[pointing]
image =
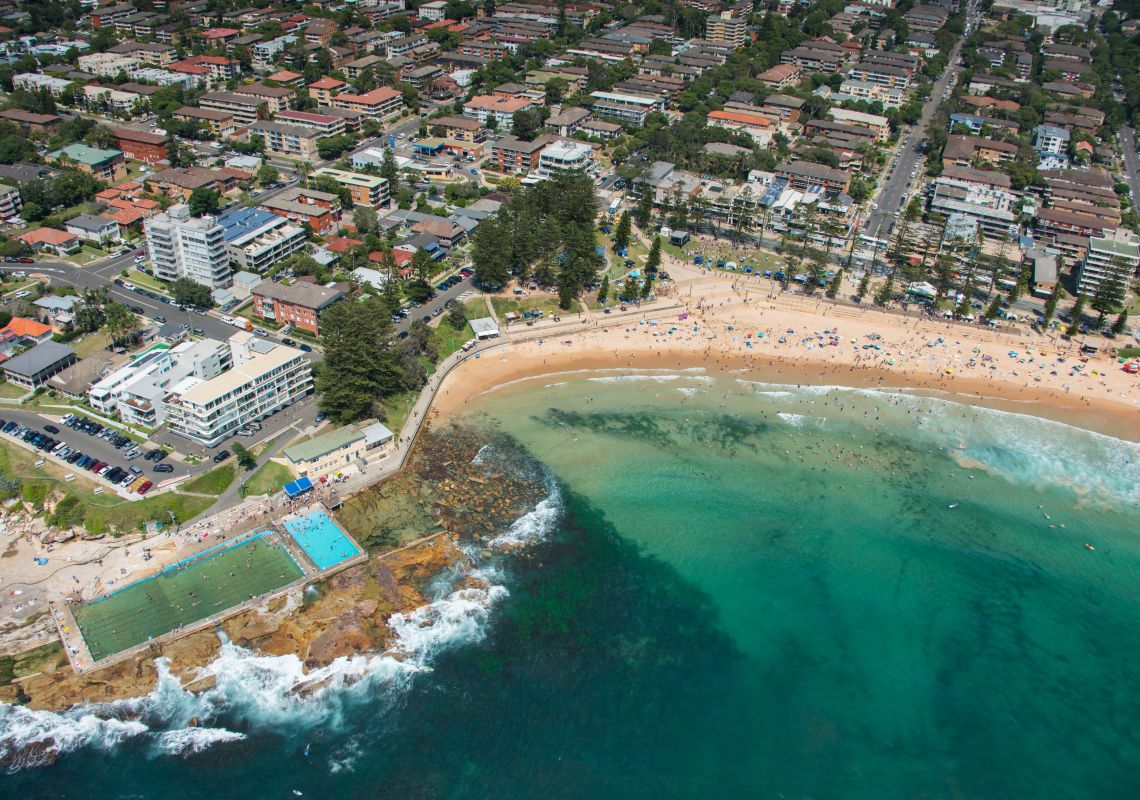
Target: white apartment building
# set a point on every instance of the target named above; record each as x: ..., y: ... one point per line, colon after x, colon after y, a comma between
x: 135, y: 391
x: 182, y: 246
x: 107, y: 65
x: 256, y: 239
x: 34, y: 82
x: 992, y: 208
x: 1116, y: 253
x: 10, y: 202
x: 265, y: 378
x: 564, y: 156
x: 433, y: 11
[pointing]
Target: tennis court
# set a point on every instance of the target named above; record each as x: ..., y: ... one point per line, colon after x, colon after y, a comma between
x: 322, y: 539
x: 184, y: 593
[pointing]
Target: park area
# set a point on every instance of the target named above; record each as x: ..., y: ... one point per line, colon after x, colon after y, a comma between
x: 184, y: 593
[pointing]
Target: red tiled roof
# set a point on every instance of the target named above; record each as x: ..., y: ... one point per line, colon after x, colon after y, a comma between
x: 22, y: 326
x: 47, y: 236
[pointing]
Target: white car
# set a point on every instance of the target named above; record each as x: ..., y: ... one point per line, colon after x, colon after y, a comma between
x: 228, y: 320
x: 130, y: 287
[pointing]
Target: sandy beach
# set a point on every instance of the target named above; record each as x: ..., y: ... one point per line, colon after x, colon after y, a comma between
x: 745, y: 325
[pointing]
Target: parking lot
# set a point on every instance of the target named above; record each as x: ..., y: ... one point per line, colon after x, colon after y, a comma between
x: 84, y: 444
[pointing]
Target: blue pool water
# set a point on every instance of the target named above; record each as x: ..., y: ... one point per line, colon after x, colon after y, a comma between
x: 322, y: 540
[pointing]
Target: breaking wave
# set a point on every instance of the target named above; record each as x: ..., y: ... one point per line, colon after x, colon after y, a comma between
x: 271, y: 694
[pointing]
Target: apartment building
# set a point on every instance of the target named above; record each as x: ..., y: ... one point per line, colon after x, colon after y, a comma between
x: 106, y: 165
x: 182, y: 246
x: 10, y: 202
x: 992, y: 207
x: 1050, y: 140
x: 759, y: 127
x: 135, y: 391
x: 265, y: 378
x: 299, y: 305
x: 243, y: 107
x: 513, y: 156
x: 384, y: 103
x: 323, y: 90
x: 626, y: 107
x: 566, y: 156
x: 141, y: 145
x: 275, y: 98
x: 319, y: 210
x: 257, y: 239
x: 724, y: 27
x: 322, y: 124
x: 35, y: 82
x: 781, y: 76
x: 1113, y: 254
x: 484, y: 108
x: 462, y: 129
x: 290, y: 141
x: 367, y: 190
x: 807, y: 176
x: 220, y: 123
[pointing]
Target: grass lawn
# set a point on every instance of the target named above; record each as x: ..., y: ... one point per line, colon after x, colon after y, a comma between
x: 10, y: 391
x: 213, y: 482
x: 87, y: 254
x: 129, y: 516
x: 447, y: 339
x: 142, y: 279
x: 91, y: 344
x: 397, y: 408
x: 101, y: 512
x: 545, y: 303
x: 268, y: 478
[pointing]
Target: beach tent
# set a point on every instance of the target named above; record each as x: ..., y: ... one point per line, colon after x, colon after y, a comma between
x: 298, y: 487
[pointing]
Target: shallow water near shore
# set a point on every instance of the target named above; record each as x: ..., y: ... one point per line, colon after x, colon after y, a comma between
x: 735, y: 588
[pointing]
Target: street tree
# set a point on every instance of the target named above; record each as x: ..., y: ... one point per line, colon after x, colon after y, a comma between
x: 604, y: 290
x: 653, y: 262
x: 622, y: 234
x: 1055, y: 297
x: 190, y: 292
x: 457, y: 316
x: 644, y: 213
x: 1075, y: 323
x: 359, y: 366
x: 244, y: 458
x: 1108, y: 296
x: 267, y: 174
x: 204, y: 201
x: 121, y: 323
x: 883, y: 296
x: 864, y: 286
x: 836, y: 284
x: 1121, y: 324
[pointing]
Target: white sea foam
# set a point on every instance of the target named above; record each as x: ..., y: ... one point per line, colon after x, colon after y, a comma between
x: 536, y: 524
x: 33, y: 738
x: 185, y: 741
x: 1021, y: 448
x: 274, y: 693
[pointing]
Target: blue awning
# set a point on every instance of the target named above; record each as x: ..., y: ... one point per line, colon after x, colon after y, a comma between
x: 298, y: 487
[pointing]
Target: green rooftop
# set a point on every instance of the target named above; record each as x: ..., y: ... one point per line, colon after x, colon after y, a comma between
x: 324, y: 444
x: 84, y: 154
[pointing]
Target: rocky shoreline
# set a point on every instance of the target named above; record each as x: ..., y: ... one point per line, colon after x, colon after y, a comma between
x: 413, y: 524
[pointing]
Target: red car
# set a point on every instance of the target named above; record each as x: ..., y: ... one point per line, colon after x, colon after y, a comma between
x: 144, y: 487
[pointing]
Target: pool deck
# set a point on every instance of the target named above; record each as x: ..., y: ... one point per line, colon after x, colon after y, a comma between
x: 80, y: 655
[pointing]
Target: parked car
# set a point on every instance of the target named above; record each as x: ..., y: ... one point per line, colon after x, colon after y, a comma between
x: 164, y: 468
x: 221, y: 456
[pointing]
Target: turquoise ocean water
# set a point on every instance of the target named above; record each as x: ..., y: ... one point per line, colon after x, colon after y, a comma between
x: 734, y: 589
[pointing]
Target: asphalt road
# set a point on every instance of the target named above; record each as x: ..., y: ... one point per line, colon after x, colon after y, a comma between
x: 95, y: 447
x: 429, y: 308
x: 898, y: 183
x: 101, y: 275
x: 1131, y: 160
